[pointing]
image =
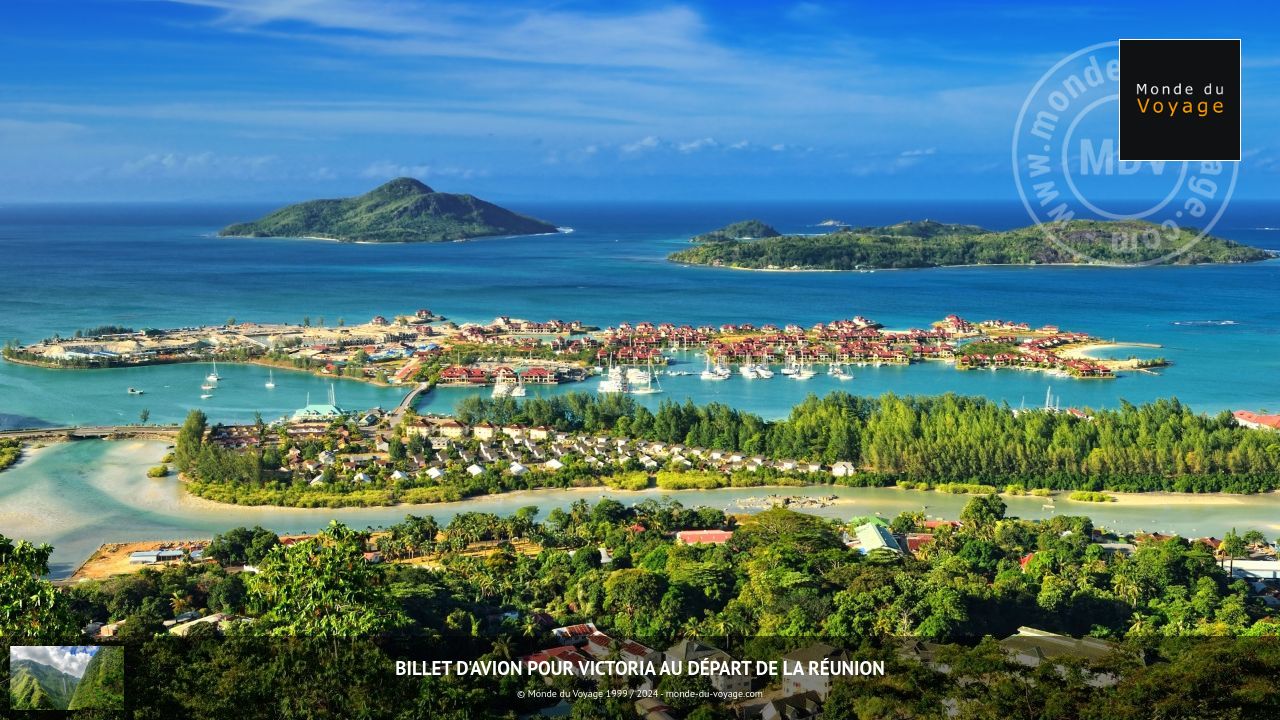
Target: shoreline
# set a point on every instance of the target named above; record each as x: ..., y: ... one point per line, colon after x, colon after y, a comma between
x: 1092, y: 351
x: 1275, y: 255
x: 1133, y: 499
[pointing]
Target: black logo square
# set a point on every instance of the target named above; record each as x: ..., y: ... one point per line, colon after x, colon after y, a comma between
x: 1179, y: 100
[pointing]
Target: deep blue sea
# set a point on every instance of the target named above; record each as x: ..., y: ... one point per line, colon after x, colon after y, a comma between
x: 70, y: 267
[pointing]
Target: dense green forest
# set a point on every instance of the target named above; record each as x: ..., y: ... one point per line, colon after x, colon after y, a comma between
x: 923, y: 442
x: 1187, y: 635
x: 1158, y: 446
x: 402, y: 210
x: 932, y: 244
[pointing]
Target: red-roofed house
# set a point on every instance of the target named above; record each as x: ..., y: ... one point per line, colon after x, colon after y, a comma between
x: 935, y: 524
x: 566, y: 654
x: 915, y: 541
x: 1257, y: 421
x: 570, y: 634
x: 703, y: 537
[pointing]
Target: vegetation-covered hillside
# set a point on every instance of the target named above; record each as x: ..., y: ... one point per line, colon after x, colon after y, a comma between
x: 934, y: 244
x: 35, y: 686
x: 403, y: 210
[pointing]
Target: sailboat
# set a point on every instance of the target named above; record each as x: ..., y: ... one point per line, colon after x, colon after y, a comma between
x: 213, y: 375
x: 271, y: 380
x: 802, y: 372
x: 649, y: 385
x: 719, y: 372
x: 518, y: 390
x: 837, y: 372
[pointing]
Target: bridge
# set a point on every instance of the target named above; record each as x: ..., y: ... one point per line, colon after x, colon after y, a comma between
x: 409, y: 399
x: 95, y: 432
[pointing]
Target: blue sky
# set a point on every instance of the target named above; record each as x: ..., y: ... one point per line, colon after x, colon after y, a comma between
x: 286, y: 99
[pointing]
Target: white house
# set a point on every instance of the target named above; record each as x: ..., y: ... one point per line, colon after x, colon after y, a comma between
x: 797, y: 683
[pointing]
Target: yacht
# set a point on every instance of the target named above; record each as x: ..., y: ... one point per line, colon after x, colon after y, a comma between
x: 636, y: 376
x: 763, y: 372
x: 271, y: 380
x: 208, y: 386
x: 206, y: 396
x: 802, y: 373
x: 648, y: 386
x: 518, y: 390
x: 719, y: 372
x: 501, y: 388
x: 135, y: 391
x: 837, y: 372
x: 213, y: 375
x: 615, y: 382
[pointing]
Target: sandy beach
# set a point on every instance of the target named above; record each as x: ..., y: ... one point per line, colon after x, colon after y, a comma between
x: 1098, y: 352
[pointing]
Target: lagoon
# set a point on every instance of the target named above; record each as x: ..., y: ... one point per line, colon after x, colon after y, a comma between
x: 79, y: 495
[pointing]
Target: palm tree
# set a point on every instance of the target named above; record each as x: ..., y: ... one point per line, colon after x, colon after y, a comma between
x: 179, y: 603
x: 502, y: 647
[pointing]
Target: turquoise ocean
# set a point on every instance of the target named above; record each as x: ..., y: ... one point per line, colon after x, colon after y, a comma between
x: 71, y: 267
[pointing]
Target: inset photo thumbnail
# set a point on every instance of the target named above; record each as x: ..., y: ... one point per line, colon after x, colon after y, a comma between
x: 66, y: 677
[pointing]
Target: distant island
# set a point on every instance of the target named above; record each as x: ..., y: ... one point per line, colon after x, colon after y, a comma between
x: 402, y: 210
x: 745, y: 230
x: 923, y: 244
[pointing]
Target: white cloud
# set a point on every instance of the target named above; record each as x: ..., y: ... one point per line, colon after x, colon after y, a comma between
x: 205, y: 164
x: 740, y: 145
x: 71, y: 660
x: 918, y: 152
x: 385, y: 170
x: 696, y: 145
x: 779, y: 147
x: 672, y: 37
x: 25, y: 131
x: 323, y: 173
x: 644, y: 144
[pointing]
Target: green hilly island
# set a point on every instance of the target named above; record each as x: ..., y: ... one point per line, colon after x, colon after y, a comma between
x: 744, y: 230
x: 402, y: 210
x: 923, y: 244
